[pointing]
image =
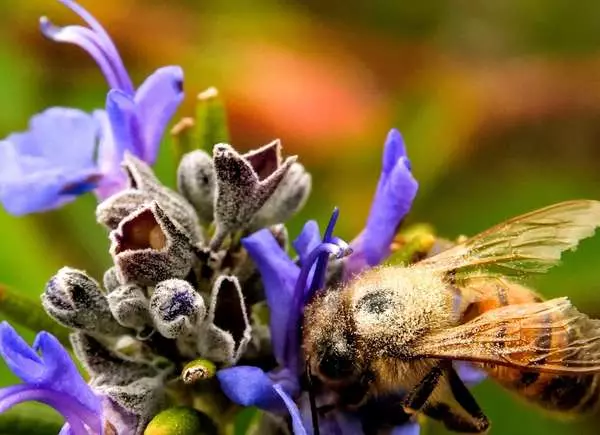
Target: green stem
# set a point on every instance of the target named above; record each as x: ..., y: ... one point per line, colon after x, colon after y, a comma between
x: 28, y: 312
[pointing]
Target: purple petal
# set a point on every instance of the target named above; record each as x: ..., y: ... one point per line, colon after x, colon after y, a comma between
x: 157, y: 100
x: 96, y: 42
x: 279, y: 275
x: 309, y: 239
x: 28, y: 185
x: 85, y: 39
x: 114, y: 178
x: 406, y: 429
x: 74, y: 413
x: 318, y: 280
x: 249, y: 386
x: 52, y: 376
x: 393, y: 150
x: 297, y: 424
x: 63, y: 137
x: 125, y: 124
x: 393, y: 199
x: 62, y: 372
x: 21, y: 359
x: 469, y: 374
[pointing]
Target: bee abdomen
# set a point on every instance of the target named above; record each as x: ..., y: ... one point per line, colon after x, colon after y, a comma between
x: 561, y: 393
x: 574, y: 394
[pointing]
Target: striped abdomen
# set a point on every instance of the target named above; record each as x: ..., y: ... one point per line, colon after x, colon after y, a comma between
x: 568, y: 394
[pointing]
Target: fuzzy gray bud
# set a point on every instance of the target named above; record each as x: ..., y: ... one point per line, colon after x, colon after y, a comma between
x: 244, y: 183
x: 176, y: 308
x: 226, y: 331
x: 75, y: 300
x: 149, y: 247
x: 196, y: 182
x: 110, y: 280
x: 107, y: 366
x: 289, y: 197
x: 144, y: 188
x: 129, y: 305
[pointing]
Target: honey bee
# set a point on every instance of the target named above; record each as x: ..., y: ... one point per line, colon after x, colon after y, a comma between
x: 398, y: 328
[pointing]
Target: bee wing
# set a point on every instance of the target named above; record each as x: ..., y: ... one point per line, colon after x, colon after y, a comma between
x: 551, y: 336
x: 530, y: 243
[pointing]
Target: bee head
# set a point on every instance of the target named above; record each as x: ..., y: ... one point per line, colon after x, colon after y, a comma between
x: 338, y: 359
x: 330, y: 342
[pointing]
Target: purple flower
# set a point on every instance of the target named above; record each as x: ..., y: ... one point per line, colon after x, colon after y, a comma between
x: 287, y: 288
x: 393, y: 199
x: 49, y: 377
x: 66, y: 152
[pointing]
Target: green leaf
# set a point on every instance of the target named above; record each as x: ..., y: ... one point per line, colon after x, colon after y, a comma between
x: 25, y: 311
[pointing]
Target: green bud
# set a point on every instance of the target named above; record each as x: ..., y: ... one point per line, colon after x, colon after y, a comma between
x: 211, y: 120
x: 198, y: 370
x: 181, y: 421
x: 183, y: 134
x: 412, y: 245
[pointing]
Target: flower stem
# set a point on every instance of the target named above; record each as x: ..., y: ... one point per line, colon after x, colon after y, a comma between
x: 28, y: 312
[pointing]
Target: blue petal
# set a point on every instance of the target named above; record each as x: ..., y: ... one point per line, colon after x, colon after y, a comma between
x: 297, y: 424
x: 64, y: 375
x: 110, y: 156
x: 53, y: 371
x: 157, y: 100
x: 393, y: 150
x: 125, y: 124
x: 22, y: 360
x: 406, y: 429
x: 393, y: 199
x: 73, y: 413
x: 469, y: 374
x: 95, y: 41
x: 279, y: 275
x: 51, y: 163
x: 309, y: 239
x: 249, y: 386
x: 62, y: 137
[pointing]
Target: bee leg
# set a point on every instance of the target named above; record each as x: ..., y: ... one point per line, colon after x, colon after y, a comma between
x: 458, y: 411
x: 464, y: 397
x: 416, y: 399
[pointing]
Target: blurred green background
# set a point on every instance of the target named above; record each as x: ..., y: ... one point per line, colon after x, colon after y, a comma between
x: 499, y: 104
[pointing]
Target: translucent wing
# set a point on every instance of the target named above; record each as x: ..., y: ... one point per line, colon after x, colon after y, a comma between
x: 551, y: 336
x: 531, y: 243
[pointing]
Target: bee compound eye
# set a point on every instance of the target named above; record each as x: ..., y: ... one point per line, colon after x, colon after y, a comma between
x: 336, y: 365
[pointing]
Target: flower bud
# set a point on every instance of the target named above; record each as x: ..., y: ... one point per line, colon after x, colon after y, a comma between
x: 196, y: 182
x: 244, y: 183
x: 107, y: 366
x: 226, y: 331
x: 176, y: 308
x: 110, y: 280
x: 289, y: 197
x: 74, y: 300
x: 144, y: 188
x: 149, y: 247
x: 129, y: 305
x: 181, y: 421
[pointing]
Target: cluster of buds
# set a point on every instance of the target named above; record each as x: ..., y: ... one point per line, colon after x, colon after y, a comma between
x: 183, y: 295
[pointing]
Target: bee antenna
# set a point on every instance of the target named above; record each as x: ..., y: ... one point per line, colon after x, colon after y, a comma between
x: 314, y: 412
